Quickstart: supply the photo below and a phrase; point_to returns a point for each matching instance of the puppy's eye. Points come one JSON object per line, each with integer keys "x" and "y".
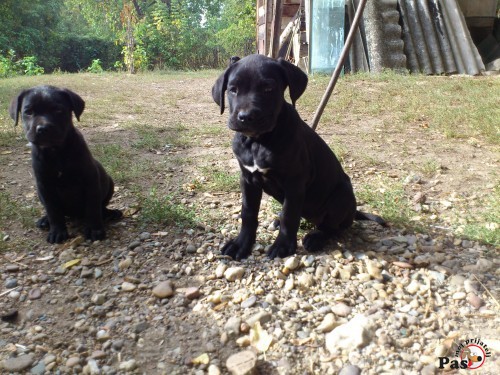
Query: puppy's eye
{"x": 268, "y": 89}
{"x": 28, "y": 112}
{"x": 233, "y": 90}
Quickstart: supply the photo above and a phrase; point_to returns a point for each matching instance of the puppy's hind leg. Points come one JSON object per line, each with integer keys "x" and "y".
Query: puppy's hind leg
{"x": 340, "y": 212}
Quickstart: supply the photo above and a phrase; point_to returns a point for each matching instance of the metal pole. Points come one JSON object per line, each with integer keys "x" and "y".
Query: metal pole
{"x": 340, "y": 64}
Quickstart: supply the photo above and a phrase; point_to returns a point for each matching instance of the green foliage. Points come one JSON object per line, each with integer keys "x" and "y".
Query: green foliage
{"x": 9, "y": 67}
{"x": 68, "y": 35}
{"x": 95, "y": 67}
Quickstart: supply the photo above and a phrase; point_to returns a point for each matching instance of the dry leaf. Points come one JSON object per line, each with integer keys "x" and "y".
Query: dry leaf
{"x": 72, "y": 263}
{"x": 259, "y": 338}
{"x": 201, "y": 360}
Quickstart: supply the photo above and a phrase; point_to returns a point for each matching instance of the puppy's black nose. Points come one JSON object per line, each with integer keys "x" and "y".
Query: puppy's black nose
{"x": 246, "y": 116}
{"x": 41, "y": 129}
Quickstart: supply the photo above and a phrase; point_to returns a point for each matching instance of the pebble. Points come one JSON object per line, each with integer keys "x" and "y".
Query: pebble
{"x": 35, "y": 293}
{"x": 219, "y": 271}
{"x": 291, "y": 263}
{"x": 327, "y": 324}
{"x": 249, "y": 302}
{"x": 341, "y": 309}
{"x": 475, "y": 301}
{"x": 164, "y": 289}
{"x": 10, "y": 283}
{"x": 72, "y": 361}
{"x": 234, "y": 273}
{"x": 128, "y": 287}
{"x": 459, "y": 295}
{"x": 19, "y": 363}
{"x": 262, "y": 317}
{"x": 232, "y": 326}
{"x": 12, "y": 268}
{"x": 129, "y": 365}
{"x": 350, "y": 370}
{"x": 192, "y": 293}
{"x": 242, "y": 363}
{"x": 214, "y": 370}
{"x": 356, "y": 333}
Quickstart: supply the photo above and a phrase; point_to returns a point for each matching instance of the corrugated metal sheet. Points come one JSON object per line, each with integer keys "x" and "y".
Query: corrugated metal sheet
{"x": 422, "y": 36}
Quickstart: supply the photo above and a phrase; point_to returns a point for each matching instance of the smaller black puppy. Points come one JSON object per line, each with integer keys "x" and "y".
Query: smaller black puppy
{"x": 70, "y": 182}
{"x": 280, "y": 154}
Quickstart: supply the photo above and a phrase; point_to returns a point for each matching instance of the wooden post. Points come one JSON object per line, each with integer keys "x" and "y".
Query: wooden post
{"x": 276, "y": 28}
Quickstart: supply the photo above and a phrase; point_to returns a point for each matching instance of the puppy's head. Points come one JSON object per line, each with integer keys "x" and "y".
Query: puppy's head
{"x": 46, "y": 113}
{"x": 255, "y": 88}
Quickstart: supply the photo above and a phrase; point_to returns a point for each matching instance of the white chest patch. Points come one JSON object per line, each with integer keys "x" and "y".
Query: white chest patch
{"x": 255, "y": 168}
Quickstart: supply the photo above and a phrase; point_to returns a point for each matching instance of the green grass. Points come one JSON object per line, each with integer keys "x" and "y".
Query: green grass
{"x": 11, "y": 210}
{"x": 484, "y": 225}
{"x": 220, "y": 180}
{"x": 120, "y": 163}
{"x": 155, "y": 138}
{"x": 458, "y": 108}
{"x": 164, "y": 210}
{"x": 389, "y": 199}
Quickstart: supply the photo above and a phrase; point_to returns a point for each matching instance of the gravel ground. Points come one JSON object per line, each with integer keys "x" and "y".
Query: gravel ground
{"x": 379, "y": 301}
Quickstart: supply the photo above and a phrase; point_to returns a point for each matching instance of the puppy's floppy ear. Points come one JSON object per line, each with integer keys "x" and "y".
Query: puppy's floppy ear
{"x": 297, "y": 79}
{"x": 15, "y": 106}
{"x": 77, "y": 103}
{"x": 219, "y": 89}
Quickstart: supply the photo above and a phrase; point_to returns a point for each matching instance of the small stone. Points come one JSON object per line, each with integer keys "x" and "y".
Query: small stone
{"x": 98, "y": 298}
{"x": 475, "y": 301}
{"x": 305, "y": 280}
{"x": 141, "y": 327}
{"x": 164, "y": 289}
{"x": 134, "y": 244}
{"x": 97, "y": 273}
{"x": 144, "y": 236}
{"x": 38, "y": 369}
{"x": 73, "y": 361}
{"x": 291, "y": 263}
{"x": 129, "y": 365}
{"x": 49, "y": 358}
{"x": 19, "y": 363}
{"x": 242, "y": 363}
{"x": 219, "y": 271}
{"x": 459, "y": 295}
{"x": 190, "y": 249}
{"x": 341, "y": 309}
{"x": 327, "y": 324}
{"x": 262, "y": 317}
{"x": 356, "y": 333}
{"x": 10, "y": 283}
{"x": 234, "y": 273}
{"x": 35, "y": 293}
{"x": 402, "y": 264}
{"x": 125, "y": 263}
{"x": 93, "y": 367}
{"x": 12, "y": 268}
{"x": 128, "y": 287}
{"x": 249, "y": 302}
{"x": 213, "y": 370}
{"x": 350, "y": 370}
{"x": 103, "y": 335}
{"x": 232, "y": 326}
{"x": 192, "y": 293}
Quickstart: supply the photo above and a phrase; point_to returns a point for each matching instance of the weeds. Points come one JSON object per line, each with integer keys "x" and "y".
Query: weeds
{"x": 163, "y": 210}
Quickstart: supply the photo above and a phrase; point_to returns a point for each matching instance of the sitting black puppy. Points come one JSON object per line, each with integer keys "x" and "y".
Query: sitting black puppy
{"x": 280, "y": 154}
{"x": 70, "y": 182}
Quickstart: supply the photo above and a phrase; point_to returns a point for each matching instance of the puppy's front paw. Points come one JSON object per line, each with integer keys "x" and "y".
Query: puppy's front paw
{"x": 95, "y": 234}
{"x": 315, "y": 241}
{"x": 282, "y": 248}
{"x": 236, "y": 250}
{"x": 57, "y": 235}
{"x": 43, "y": 223}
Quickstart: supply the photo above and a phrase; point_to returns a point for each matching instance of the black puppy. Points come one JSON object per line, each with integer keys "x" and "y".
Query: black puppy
{"x": 70, "y": 182}
{"x": 280, "y": 154}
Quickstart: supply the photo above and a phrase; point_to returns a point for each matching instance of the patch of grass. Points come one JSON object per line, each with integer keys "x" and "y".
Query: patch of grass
{"x": 389, "y": 199}
{"x": 456, "y": 107}
{"x": 221, "y": 180}
{"x": 119, "y": 162}
{"x": 429, "y": 167}
{"x": 164, "y": 210}
{"x": 484, "y": 225}
{"x": 155, "y": 138}
{"x": 13, "y": 211}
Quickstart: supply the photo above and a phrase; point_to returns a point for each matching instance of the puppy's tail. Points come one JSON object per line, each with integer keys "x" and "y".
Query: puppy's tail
{"x": 365, "y": 216}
